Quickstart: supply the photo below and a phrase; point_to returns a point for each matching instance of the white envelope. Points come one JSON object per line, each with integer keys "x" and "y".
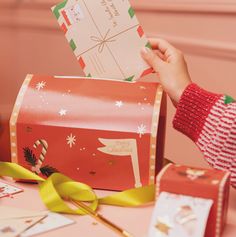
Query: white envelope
{"x": 7, "y": 189}
{"x": 14, "y": 221}
{"x": 51, "y": 222}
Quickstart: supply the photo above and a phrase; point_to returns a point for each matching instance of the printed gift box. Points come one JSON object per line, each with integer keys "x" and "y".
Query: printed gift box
{"x": 201, "y": 183}
{"x": 105, "y": 37}
{"x": 108, "y": 134}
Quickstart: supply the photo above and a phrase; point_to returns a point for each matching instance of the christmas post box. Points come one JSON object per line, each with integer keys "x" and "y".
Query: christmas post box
{"x": 108, "y": 134}
{"x": 203, "y": 183}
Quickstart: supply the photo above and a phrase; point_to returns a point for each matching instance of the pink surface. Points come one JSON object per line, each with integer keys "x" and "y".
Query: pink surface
{"x": 134, "y": 220}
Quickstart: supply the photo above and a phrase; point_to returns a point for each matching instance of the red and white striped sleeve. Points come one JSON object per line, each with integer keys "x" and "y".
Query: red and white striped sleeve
{"x": 210, "y": 121}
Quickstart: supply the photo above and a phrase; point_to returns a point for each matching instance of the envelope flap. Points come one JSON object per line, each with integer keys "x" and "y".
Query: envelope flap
{"x": 7, "y": 212}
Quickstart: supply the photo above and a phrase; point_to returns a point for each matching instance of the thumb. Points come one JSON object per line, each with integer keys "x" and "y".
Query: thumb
{"x": 151, "y": 58}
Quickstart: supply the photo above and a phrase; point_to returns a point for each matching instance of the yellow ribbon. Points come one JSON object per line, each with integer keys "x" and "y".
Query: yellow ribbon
{"x": 57, "y": 188}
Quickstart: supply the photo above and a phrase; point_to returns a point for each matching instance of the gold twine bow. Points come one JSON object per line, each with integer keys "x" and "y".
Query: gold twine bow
{"x": 58, "y": 187}
{"x": 102, "y": 41}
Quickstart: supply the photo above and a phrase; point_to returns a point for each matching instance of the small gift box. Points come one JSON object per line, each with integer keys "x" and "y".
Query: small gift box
{"x": 105, "y": 37}
{"x": 95, "y": 131}
{"x": 202, "y": 183}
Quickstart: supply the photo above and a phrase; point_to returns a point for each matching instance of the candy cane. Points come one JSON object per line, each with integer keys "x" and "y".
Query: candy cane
{"x": 44, "y": 145}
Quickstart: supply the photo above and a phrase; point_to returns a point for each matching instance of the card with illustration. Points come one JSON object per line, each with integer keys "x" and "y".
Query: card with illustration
{"x": 8, "y": 189}
{"x": 51, "y": 222}
{"x": 14, "y": 221}
{"x": 105, "y": 36}
{"x": 179, "y": 215}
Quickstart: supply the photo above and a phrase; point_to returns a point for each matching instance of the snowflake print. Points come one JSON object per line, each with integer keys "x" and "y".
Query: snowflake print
{"x": 141, "y": 130}
{"x": 62, "y": 112}
{"x": 71, "y": 139}
{"x": 119, "y": 104}
{"x": 40, "y": 85}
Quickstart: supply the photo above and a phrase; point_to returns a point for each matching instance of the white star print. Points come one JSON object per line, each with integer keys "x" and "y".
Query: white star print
{"x": 141, "y": 130}
{"x": 119, "y": 104}
{"x": 62, "y": 112}
{"x": 40, "y": 85}
{"x": 71, "y": 140}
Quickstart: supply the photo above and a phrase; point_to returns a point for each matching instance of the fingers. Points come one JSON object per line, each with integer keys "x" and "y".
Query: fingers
{"x": 160, "y": 44}
{"x": 160, "y": 54}
{"x": 164, "y": 47}
{"x": 152, "y": 58}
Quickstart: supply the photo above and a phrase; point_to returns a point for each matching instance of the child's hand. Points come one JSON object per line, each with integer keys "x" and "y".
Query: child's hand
{"x": 169, "y": 63}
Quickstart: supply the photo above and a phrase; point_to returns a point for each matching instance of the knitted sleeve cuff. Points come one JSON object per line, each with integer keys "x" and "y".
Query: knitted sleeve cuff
{"x": 192, "y": 110}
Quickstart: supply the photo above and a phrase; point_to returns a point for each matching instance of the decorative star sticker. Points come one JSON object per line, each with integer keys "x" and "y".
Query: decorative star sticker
{"x": 62, "y": 112}
{"x": 40, "y": 85}
{"x": 71, "y": 139}
{"x": 119, "y": 104}
{"x": 141, "y": 130}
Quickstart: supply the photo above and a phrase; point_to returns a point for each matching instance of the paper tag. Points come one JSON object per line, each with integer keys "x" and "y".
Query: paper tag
{"x": 14, "y": 221}
{"x": 179, "y": 215}
{"x": 8, "y": 190}
{"x": 52, "y": 221}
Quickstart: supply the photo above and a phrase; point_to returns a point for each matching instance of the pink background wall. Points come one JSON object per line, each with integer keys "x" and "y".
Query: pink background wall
{"x": 31, "y": 42}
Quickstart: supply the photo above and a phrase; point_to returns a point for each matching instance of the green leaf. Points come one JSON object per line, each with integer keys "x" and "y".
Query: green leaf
{"x": 29, "y": 156}
{"x": 48, "y": 170}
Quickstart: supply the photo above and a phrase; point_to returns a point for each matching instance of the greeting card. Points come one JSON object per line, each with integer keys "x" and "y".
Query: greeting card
{"x": 8, "y": 190}
{"x": 105, "y": 37}
{"x": 179, "y": 215}
{"x": 51, "y": 222}
{"x": 14, "y": 221}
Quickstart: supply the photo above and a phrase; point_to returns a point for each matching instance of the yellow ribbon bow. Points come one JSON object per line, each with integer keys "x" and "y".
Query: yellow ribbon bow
{"x": 58, "y": 187}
